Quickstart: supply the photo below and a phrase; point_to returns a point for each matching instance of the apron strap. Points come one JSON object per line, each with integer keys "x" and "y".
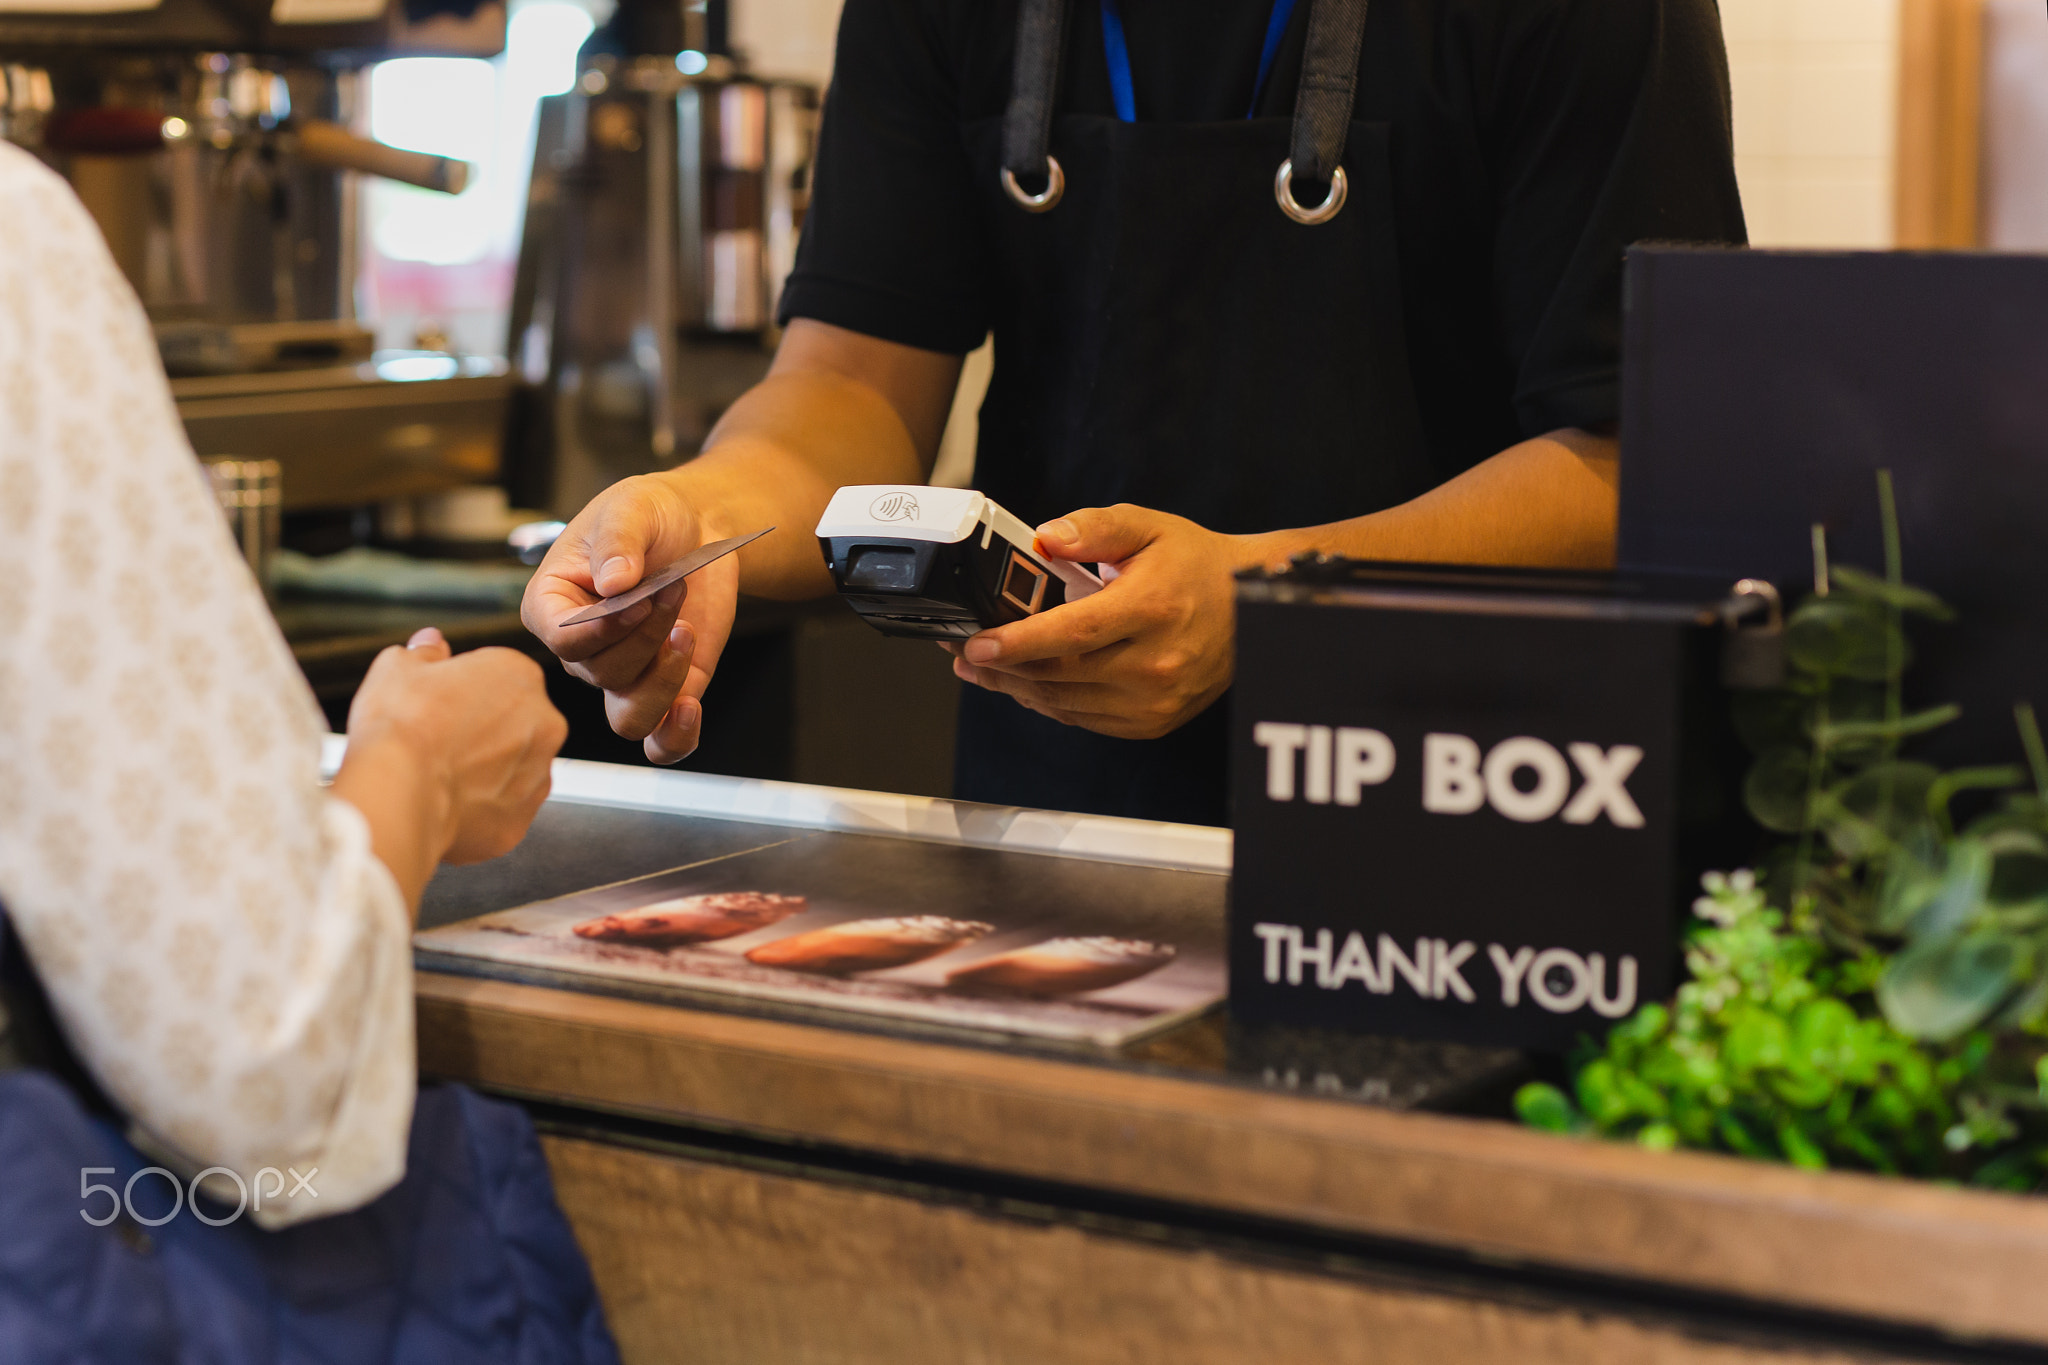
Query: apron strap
{"x": 1322, "y": 108}
{"x": 1027, "y": 123}
{"x": 1329, "y": 84}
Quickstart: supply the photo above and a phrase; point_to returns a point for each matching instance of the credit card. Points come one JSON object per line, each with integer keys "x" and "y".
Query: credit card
{"x": 662, "y": 577}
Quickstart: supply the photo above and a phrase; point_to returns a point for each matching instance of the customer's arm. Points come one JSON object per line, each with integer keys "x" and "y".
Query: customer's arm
{"x": 220, "y": 939}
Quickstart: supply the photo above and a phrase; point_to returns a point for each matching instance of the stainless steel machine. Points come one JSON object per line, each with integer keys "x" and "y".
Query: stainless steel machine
{"x": 213, "y": 145}
{"x": 668, "y": 190}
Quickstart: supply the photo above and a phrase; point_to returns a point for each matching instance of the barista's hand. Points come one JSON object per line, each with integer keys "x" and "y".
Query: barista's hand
{"x": 653, "y": 660}
{"x": 1142, "y": 657}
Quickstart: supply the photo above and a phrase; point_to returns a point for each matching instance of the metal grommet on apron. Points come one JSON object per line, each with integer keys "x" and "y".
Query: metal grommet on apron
{"x": 1165, "y": 336}
{"x": 1055, "y": 186}
{"x": 1283, "y": 190}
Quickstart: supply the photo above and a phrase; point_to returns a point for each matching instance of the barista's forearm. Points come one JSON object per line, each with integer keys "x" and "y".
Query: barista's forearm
{"x": 776, "y": 458}
{"x": 1550, "y": 502}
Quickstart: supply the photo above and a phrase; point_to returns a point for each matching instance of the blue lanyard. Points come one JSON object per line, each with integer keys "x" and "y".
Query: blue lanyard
{"x": 1119, "y": 54}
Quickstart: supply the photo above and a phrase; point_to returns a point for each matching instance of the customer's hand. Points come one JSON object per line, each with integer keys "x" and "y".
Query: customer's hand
{"x": 1142, "y": 657}
{"x": 448, "y": 756}
{"x": 653, "y": 660}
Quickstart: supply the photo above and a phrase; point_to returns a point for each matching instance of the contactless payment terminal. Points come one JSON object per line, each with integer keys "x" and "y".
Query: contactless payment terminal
{"x": 940, "y": 563}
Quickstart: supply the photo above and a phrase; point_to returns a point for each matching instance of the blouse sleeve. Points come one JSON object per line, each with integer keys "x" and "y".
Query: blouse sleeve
{"x": 220, "y": 944}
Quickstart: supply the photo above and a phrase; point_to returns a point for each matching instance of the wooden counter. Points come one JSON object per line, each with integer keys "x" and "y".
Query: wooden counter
{"x": 755, "y": 1187}
{"x": 782, "y": 1191}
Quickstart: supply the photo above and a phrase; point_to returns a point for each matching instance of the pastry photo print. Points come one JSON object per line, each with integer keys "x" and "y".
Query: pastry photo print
{"x": 1021, "y": 943}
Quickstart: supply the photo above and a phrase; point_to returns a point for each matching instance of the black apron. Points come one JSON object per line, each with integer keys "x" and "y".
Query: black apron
{"x": 1167, "y": 335}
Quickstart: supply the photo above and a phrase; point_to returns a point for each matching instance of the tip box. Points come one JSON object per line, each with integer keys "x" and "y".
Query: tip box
{"x": 1472, "y": 804}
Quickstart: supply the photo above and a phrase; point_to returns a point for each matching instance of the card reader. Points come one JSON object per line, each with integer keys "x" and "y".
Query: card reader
{"x": 940, "y": 563}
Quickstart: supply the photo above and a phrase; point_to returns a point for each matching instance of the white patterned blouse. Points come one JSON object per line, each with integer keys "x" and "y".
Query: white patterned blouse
{"x": 219, "y": 943}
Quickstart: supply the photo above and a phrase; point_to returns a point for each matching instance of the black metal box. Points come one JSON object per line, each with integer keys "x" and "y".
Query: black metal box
{"x": 1471, "y": 804}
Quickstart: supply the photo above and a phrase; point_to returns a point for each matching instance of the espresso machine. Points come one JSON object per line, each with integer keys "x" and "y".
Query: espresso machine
{"x": 213, "y": 142}
{"x": 668, "y": 190}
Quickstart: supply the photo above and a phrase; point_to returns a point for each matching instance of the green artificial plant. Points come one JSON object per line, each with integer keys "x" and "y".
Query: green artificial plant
{"x": 1878, "y": 996}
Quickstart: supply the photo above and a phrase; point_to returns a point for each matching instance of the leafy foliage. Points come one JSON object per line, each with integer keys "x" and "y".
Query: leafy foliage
{"x": 1766, "y": 1053}
{"x": 1880, "y": 998}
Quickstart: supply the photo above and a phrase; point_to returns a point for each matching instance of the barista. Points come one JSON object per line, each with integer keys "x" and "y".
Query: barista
{"x": 1264, "y": 277}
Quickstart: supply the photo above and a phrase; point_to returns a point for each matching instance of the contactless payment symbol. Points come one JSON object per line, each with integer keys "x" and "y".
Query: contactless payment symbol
{"x": 898, "y": 506}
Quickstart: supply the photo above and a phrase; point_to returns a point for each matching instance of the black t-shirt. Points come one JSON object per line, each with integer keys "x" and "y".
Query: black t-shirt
{"x": 1532, "y": 141}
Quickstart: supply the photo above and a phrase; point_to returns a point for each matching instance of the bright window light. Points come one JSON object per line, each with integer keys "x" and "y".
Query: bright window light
{"x": 447, "y": 106}
{"x": 444, "y": 105}
{"x": 477, "y": 111}
{"x": 482, "y": 113}
{"x": 541, "y": 43}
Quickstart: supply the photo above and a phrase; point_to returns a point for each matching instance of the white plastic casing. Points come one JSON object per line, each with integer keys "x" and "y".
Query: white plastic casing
{"x": 904, "y": 512}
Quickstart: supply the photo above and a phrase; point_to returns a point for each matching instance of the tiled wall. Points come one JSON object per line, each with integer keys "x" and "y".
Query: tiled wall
{"x": 1815, "y": 98}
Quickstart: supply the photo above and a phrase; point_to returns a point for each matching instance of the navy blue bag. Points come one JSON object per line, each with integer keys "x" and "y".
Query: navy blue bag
{"x": 468, "y": 1259}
